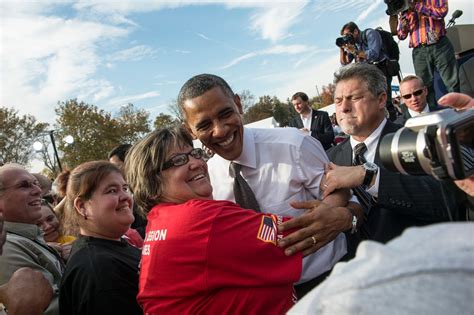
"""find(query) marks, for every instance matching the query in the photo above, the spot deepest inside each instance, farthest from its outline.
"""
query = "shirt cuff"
(374, 190)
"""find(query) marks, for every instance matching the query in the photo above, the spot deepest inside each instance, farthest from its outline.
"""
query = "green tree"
(261, 110)
(165, 121)
(315, 102)
(132, 123)
(247, 100)
(268, 106)
(95, 131)
(17, 135)
(173, 108)
(283, 112)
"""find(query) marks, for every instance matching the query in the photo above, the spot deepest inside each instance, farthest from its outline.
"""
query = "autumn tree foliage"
(327, 96)
(95, 131)
(166, 121)
(17, 134)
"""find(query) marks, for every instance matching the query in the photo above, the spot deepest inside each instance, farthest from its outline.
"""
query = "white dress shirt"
(424, 111)
(371, 144)
(280, 165)
(307, 120)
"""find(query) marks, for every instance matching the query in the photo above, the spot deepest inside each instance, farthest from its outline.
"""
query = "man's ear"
(238, 103)
(188, 129)
(382, 99)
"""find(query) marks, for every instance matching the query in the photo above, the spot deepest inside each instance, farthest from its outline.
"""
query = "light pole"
(38, 146)
(51, 136)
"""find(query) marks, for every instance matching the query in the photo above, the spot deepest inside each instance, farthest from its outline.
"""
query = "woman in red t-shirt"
(203, 256)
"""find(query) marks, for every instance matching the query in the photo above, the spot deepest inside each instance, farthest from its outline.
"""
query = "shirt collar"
(426, 109)
(248, 156)
(309, 115)
(29, 231)
(371, 141)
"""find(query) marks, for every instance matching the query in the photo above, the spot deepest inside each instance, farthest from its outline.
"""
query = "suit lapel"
(299, 122)
(314, 117)
(343, 153)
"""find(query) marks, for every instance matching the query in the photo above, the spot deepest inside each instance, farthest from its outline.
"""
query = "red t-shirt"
(213, 257)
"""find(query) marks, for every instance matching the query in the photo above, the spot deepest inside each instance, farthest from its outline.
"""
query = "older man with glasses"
(20, 201)
(414, 93)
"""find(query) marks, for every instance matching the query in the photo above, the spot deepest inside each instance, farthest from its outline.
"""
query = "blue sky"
(110, 53)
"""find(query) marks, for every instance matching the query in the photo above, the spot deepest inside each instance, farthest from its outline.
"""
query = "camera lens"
(405, 151)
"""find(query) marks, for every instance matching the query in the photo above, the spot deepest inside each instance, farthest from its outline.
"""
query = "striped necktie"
(243, 194)
(359, 159)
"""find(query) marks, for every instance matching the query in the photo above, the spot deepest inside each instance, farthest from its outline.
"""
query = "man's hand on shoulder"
(319, 225)
(337, 177)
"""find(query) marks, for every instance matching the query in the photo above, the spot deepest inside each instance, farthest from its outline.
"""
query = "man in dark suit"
(414, 93)
(314, 122)
(392, 202)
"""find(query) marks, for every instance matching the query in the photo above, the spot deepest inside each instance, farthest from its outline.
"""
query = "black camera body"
(397, 6)
(344, 40)
(440, 144)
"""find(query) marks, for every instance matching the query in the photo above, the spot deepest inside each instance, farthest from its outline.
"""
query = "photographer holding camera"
(366, 46)
(423, 23)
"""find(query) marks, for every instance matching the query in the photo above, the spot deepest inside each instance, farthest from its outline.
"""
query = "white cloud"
(271, 19)
(96, 90)
(274, 22)
(182, 51)
(203, 36)
(46, 59)
(311, 55)
(275, 50)
(124, 100)
(318, 73)
(371, 8)
(134, 53)
(329, 7)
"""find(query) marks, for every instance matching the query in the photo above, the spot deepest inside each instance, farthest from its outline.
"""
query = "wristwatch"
(353, 222)
(370, 170)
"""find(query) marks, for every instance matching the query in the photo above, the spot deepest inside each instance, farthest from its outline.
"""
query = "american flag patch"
(268, 229)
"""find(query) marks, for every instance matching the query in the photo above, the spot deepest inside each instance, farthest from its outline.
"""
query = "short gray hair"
(372, 76)
(200, 84)
(6, 167)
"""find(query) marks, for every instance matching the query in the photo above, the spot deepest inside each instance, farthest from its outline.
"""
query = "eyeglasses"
(416, 93)
(183, 158)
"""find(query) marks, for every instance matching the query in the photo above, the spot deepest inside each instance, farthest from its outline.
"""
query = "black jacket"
(321, 127)
(403, 200)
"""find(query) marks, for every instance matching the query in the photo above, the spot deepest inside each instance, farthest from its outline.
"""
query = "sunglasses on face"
(416, 93)
(183, 158)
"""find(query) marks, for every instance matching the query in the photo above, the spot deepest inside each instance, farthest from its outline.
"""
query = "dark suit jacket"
(406, 115)
(321, 127)
(403, 201)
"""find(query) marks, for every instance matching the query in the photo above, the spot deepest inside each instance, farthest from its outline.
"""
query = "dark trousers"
(438, 56)
(388, 105)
